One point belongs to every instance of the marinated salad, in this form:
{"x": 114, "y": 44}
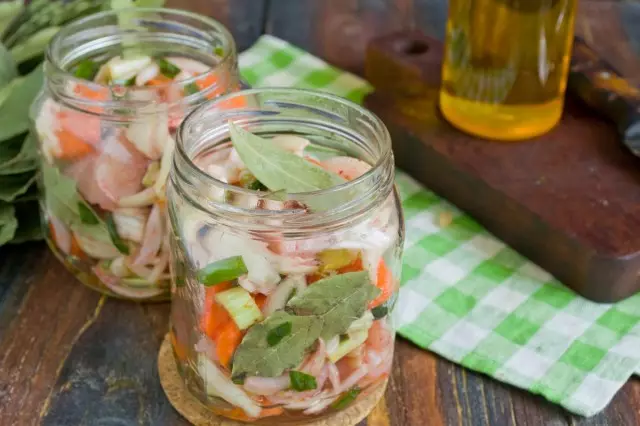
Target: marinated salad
{"x": 285, "y": 327}
{"x": 104, "y": 182}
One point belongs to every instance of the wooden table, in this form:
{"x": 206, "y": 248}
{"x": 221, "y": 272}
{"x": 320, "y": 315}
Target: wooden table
{"x": 69, "y": 356}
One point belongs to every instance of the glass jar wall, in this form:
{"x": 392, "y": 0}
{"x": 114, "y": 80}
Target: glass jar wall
{"x": 281, "y": 301}
{"x": 116, "y": 88}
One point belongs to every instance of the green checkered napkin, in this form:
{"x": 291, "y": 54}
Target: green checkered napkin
{"x": 469, "y": 297}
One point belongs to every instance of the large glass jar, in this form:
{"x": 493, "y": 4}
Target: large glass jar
{"x": 116, "y": 88}
{"x": 303, "y": 327}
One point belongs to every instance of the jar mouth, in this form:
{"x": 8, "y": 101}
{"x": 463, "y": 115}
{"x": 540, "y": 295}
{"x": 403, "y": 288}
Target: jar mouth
{"x": 79, "y": 39}
{"x": 268, "y": 110}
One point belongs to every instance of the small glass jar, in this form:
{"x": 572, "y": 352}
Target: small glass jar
{"x": 291, "y": 244}
{"x": 106, "y": 145}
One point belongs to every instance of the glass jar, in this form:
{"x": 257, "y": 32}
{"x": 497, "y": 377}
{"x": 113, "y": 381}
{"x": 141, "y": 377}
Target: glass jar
{"x": 106, "y": 144}
{"x": 506, "y": 65}
{"x": 300, "y": 251}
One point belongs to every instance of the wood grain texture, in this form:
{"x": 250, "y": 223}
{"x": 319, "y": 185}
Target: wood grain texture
{"x": 69, "y": 357}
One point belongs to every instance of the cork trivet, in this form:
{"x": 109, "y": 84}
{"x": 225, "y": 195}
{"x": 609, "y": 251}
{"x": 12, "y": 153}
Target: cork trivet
{"x": 196, "y": 413}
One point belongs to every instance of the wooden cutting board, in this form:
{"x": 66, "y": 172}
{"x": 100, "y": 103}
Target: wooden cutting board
{"x": 568, "y": 200}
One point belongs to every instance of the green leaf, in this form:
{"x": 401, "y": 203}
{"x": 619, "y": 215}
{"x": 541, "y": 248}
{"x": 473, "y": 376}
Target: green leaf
{"x": 19, "y": 167}
{"x": 62, "y": 200}
{"x": 6, "y": 90}
{"x": 8, "y": 223}
{"x": 255, "y": 357}
{"x": 33, "y": 46}
{"x": 14, "y": 112}
{"x": 277, "y": 168}
{"x": 302, "y": 381}
{"x": 8, "y": 68}
{"x": 29, "y": 227}
{"x": 18, "y": 155}
{"x": 19, "y": 148}
{"x": 149, "y": 3}
{"x": 335, "y": 301}
{"x": 8, "y": 11}
{"x": 12, "y": 186}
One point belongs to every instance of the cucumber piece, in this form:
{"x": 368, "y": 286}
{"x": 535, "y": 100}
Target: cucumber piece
{"x": 362, "y": 323}
{"x": 241, "y": 306}
{"x": 345, "y": 346}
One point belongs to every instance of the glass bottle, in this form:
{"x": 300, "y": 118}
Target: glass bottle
{"x": 106, "y": 147}
{"x": 355, "y": 227}
{"x": 506, "y": 65}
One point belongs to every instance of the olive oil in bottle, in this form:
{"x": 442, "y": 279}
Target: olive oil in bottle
{"x": 506, "y": 65}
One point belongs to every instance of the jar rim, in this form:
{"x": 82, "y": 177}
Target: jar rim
{"x": 384, "y": 157}
{"x": 67, "y": 30}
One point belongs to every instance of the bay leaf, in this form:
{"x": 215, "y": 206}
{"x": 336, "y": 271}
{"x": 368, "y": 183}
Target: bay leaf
{"x": 254, "y": 356}
{"x": 14, "y": 112}
{"x": 33, "y": 46}
{"x": 8, "y": 68}
{"x": 29, "y": 228}
{"x": 12, "y": 186}
{"x": 335, "y": 301}
{"x": 19, "y": 167}
{"x": 277, "y": 168}
{"x": 62, "y": 199}
{"x": 8, "y": 222}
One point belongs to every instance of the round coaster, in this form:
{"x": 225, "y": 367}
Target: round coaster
{"x": 196, "y": 413}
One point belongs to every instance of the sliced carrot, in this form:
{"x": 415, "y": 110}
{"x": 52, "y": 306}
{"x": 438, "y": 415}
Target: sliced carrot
{"x": 74, "y": 250}
{"x": 71, "y": 146}
{"x": 385, "y": 282}
{"x": 215, "y": 316}
{"x": 228, "y": 339}
{"x": 355, "y": 266}
{"x": 160, "y": 80}
{"x": 75, "y": 247}
{"x": 260, "y": 300}
{"x": 206, "y": 82}
{"x": 88, "y": 92}
{"x": 179, "y": 349}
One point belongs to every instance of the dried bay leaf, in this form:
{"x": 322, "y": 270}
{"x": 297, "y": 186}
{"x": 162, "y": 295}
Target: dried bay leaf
{"x": 14, "y": 112}
{"x": 8, "y": 223}
{"x": 335, "y": 301}
{"x": 62, "y": 200}
{"x": 255, "y": 357}
{"x": 277, "y": 168}
{"x": 12, "y": 186}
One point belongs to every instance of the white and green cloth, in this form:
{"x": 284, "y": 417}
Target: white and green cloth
{"x": 469, "y": 297}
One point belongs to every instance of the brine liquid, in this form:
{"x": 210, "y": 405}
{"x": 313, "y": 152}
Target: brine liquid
{"x": 506, "y": 64}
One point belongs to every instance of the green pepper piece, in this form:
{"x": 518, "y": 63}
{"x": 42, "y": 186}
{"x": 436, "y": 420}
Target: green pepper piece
{"x": 278, "y": 333}
{"x": 117, "y": 241}
{"x": 167, "y": 68}
{"x": 346, "y": 399}
{"x": 301, "y": 381}
{"x": 86, "y": 70}
{"x": 191, "y": 88}
{"x": 222, "y": 270}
